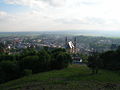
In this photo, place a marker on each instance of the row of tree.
(32, 61)
(108, 60)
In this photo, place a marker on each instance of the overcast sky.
(40, 15)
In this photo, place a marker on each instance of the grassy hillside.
(76, 77)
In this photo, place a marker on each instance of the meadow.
(75, 77)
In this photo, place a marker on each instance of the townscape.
(59, 45)
(24, 54)
(84, 44)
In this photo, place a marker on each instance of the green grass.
(75, 77)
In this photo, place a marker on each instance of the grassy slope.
(75, 77)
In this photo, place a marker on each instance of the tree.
(9, 70)
(62, 60)
(45, 60)
(110, 60)
(28, 52)
(30, 62)
(94, 63)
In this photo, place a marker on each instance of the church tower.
(66, 42)
(75, 44)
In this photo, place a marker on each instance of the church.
(71, 46)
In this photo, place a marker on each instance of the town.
(14, 44)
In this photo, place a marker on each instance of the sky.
(42, 15)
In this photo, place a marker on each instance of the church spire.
(66, 41)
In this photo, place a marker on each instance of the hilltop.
(75, 77)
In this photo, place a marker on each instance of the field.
(75, 77)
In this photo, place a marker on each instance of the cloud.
(51, 3)
(2, 13)
(37, 3)
(56, 3)
(29, 3)
(3, 16)
(62, 14)
(86, 21)
(28, 21)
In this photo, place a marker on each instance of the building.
(70, 46)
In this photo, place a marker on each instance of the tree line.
(31, 61)
(109, 60)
